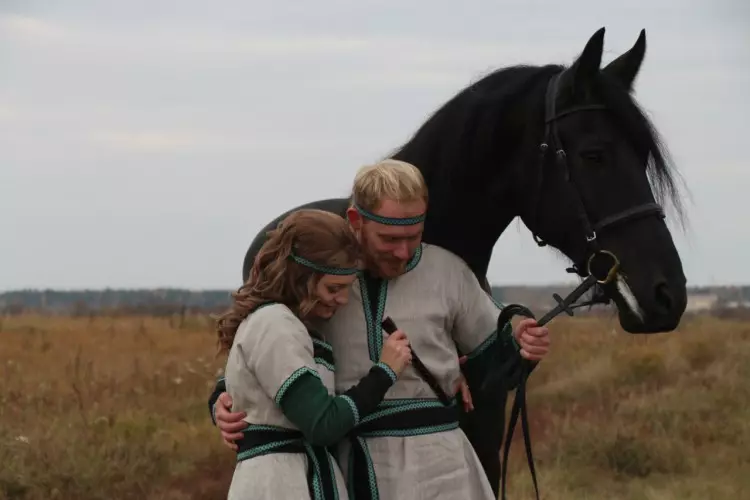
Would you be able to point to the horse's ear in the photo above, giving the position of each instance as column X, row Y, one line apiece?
column 586, row 67
column 625, row 68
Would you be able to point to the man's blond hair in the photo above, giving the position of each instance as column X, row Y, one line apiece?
column 388, row 179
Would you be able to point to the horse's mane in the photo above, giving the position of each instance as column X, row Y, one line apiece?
column 468, row 133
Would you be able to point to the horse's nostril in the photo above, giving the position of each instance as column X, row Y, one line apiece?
column 664, row 298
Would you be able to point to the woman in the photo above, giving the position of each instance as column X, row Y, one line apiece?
column 280, row 372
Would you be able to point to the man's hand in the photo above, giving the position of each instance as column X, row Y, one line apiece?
column 462, row 386
column 533, row 339
column 230, row 423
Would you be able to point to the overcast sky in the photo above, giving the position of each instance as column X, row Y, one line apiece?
column 144, row 143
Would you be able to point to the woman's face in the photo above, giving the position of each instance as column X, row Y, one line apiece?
column 332, row 292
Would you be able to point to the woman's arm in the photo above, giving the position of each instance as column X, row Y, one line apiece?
column 325, row 419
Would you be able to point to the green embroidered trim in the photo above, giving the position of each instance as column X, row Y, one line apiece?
column 352, row 406
column 414, row 259
column 391, row 407
column 323, row 362
column 317, row 487
column 265, row 427
column 323, row 344
column 507, row 332
column 390, row 221
column 262, row 450
column 374, row 332
column 293, row 378
column 483, row 346
column 499, row 304
column 371, row 479
column 420, row 402
column 331, row 466
column 420, row 431
column 339, row 271
column 388, row 370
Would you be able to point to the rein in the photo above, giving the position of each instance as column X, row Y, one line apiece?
column 519, row 402
column 597, row 274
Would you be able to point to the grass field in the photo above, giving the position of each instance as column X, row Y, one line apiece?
column 103, row 408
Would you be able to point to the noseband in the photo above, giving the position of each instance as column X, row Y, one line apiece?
column 593, row 275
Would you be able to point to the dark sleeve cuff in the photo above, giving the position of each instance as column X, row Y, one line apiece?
column 218, row 389
column 497, row 367
column 325, row 419
column 367, row 395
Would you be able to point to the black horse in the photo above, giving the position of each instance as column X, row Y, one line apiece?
column 569, row 151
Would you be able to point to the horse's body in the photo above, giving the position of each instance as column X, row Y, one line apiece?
column 481, row 158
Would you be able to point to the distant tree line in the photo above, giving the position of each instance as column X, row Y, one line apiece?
column 170, row 301
column 158, row 302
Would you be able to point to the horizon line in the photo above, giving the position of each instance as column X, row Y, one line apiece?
column 222, row 289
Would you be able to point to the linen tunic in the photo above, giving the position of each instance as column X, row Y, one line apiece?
column 271, row 349
column 441, row 306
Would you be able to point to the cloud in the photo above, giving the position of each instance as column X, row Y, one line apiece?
column 181, row 140
column 145, row 140
column 7, row 113
column 30, row 29
column 164, row 40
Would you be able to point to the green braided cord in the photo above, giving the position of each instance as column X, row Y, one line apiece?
column 391, row 221
column 340, row 271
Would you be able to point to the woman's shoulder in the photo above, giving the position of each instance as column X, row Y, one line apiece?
column 271, row 316
column 270, row 310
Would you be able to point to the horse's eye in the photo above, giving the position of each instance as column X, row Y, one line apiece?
column 591, row 155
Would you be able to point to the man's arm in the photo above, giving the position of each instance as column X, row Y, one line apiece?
column 491, row 353
column 218, row 389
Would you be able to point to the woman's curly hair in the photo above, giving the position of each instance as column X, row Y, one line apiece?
column 315, row 235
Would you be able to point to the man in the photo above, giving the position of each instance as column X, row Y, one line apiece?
column 413, row 446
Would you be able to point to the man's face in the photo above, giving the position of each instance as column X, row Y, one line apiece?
column 388, row 248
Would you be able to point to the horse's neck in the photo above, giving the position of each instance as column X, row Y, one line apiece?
column 468, row 232
column 469, row 224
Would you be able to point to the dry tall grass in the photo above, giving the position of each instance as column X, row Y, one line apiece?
column 116, row 408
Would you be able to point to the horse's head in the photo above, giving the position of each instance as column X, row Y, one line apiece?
column 596, row 183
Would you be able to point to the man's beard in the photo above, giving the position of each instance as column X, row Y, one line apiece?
column 375, row 263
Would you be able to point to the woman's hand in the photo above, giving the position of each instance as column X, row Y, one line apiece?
column 396, row 352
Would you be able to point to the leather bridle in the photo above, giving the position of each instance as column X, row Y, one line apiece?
column 552, row 139
column 593, row 275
